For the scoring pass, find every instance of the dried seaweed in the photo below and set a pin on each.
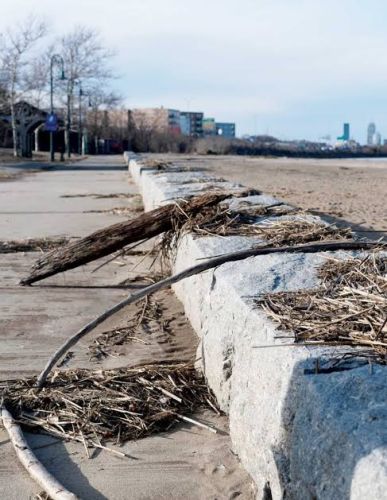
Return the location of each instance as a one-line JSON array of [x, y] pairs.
[[32, 245], [349, 308], [298, 231], [198, 180], [100, 196], [120, 405], [222, 221], [157, 164], [131, 210]]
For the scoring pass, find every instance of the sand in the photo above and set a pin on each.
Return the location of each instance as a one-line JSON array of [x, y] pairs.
[[353, 192]]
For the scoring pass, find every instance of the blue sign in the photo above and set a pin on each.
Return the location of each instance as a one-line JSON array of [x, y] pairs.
[[51, 123]]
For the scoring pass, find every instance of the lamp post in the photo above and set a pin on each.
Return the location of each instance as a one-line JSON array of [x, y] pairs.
[[80, 116], [55, 59]]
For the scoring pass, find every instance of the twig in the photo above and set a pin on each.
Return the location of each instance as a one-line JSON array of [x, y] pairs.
[[115, 256], [51, 486], [191, 271], [195, 422]]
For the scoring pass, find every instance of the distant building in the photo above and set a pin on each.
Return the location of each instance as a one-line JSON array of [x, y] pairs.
[[225, 129], [191, 123], [160, 119], [185, 125], [376, 139], [346, 133], [174, 121], [209, 126], [371, 131]]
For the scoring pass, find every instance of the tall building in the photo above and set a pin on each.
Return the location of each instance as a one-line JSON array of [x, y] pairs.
[[346, 133], [371, 131], [191, 123], [376, 139], [225, 129]]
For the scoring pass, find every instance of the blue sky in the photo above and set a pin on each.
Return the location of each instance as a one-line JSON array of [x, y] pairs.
[[293, 68]]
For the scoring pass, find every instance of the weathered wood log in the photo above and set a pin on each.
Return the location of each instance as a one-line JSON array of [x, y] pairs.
[[324, 246], [35, 469], [110, 239]]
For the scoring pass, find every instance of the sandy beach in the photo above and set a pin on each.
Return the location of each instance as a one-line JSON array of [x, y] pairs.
[[352, 192]]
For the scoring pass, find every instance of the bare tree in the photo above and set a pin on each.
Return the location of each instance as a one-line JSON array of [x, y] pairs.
[[37, 78], [15, 57], [99, 116], [86, 61]]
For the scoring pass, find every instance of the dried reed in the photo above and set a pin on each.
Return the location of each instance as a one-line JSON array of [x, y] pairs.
[[100, 196], [120, 405], [221, 221], [32, 245], [131, 210], [349, 308]]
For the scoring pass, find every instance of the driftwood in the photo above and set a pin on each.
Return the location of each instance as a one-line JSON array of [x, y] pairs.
[[35, 469], [191, 271], [115, 237]]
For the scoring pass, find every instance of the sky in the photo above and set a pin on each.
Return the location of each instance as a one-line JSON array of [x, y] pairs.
[[295, 69]]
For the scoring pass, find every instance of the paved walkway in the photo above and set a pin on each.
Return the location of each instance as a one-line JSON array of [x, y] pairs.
[[184, 464]]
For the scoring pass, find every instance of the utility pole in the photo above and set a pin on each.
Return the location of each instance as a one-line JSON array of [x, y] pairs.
[[55, 59]]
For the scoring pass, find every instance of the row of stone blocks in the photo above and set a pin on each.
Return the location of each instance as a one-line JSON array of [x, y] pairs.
[[300, 434]]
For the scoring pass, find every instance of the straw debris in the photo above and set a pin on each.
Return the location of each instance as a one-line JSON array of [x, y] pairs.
[[131, 210], [99, 196], [148, 317], [349, 308], [120, 405], [157, 164], [298, 231], [221, 221], [200, 180], [32, 245]]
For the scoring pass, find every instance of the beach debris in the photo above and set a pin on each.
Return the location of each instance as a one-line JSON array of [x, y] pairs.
[[221, 221], [32, 245], [348, 308], [52, 487], [160, 167], [148, 316], [300, 230], [115, 237], [95, 406], [118, 210], [199, 180], [191, 271], [100, 196]]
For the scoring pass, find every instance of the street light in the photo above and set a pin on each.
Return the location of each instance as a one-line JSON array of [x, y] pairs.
[[80, 118], [58, 60]]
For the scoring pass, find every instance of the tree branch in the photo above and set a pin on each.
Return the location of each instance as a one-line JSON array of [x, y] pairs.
[[191, 271], [35, 469]]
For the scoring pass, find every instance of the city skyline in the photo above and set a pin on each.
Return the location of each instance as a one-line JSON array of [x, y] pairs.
[[293, 69]]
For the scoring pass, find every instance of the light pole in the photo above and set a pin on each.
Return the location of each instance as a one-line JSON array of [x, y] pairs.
[[80, 133], [55, 59], [80, 117], [68, 121]]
